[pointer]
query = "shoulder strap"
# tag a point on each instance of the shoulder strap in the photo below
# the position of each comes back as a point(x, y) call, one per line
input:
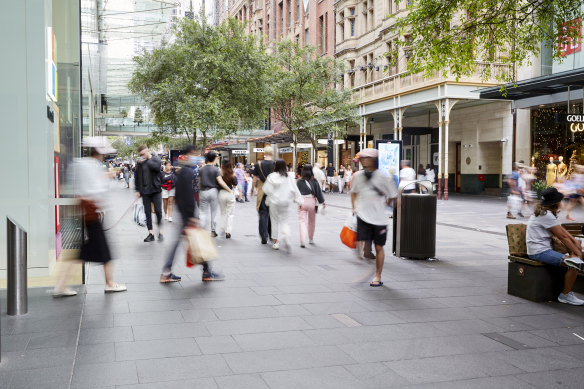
point(309, 187)
point(261, 170)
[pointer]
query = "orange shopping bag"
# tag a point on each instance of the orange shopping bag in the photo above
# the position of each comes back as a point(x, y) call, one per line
point(349, 232)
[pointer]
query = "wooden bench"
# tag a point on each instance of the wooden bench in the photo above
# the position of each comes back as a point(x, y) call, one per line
point(536, 281)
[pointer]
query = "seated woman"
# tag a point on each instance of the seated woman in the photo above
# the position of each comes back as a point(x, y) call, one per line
point(544, 224)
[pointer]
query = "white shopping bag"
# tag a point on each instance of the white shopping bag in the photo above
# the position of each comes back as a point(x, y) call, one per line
point(514, 202)
point(139, 215)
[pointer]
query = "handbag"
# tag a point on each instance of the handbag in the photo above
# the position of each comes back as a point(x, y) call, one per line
point(201, 248)
point(516, 239)
point(349, 232)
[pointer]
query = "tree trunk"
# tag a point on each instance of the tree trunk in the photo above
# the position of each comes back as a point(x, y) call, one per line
point(295, 154)
point(315, 148)
point(204, 142)
point(195, 137)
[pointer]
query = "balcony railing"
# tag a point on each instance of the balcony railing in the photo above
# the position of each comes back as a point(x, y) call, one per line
point(404, 82)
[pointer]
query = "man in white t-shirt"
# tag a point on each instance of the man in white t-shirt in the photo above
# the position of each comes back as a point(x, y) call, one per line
point(544, 224)
point(370, 194)
point(407, 174)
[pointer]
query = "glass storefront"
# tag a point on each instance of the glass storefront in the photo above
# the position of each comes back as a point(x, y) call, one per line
point(554, 138)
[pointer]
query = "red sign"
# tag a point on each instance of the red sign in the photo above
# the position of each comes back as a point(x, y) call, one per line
point(481, 177)
point(566, 44)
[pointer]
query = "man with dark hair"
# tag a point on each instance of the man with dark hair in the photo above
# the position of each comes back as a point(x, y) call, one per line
point(330, 176)
point(149, 187)
point(261, 172)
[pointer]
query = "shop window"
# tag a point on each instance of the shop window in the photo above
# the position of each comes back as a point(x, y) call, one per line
point(352, 22)
point(298, 10)
point(289, 7)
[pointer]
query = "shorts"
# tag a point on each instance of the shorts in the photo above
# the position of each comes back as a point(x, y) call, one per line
point(549, 257)
point(167, 193)
point(330, 180)
point(375, 233)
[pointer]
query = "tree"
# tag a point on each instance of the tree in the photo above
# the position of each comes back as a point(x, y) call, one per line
point(305, 98)
point(210, 79)
point(451, 36)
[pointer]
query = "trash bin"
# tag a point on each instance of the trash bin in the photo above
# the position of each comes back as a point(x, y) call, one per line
point(414, 222)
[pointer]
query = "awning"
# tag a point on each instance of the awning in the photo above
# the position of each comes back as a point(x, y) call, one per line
point(539, 86)
point(279, 137)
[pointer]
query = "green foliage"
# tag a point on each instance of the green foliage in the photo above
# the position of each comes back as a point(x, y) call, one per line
point(539, 186)
point(451, 36)
point(210, 79)
point(305, 98)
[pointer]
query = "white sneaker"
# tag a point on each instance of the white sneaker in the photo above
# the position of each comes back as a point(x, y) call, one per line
point(64, 292)
point(115, 288)
point(311, 241)
point(574, 262)
point(276, 246)
point(165, 217)
point(570, 298)
point(170, 219)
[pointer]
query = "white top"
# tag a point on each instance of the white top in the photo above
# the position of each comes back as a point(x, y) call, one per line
point(539, 236)
point(430, 176)
point(370, 205)
point(318, 174)
point(407, 174)
point(281, 191)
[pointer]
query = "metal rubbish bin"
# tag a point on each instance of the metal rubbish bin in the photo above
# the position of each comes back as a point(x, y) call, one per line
point(414, 222)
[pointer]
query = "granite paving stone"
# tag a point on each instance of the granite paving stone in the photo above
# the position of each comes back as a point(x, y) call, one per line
point(179, 368)
point(241, 381)
point(217, 344)
point(160, 348)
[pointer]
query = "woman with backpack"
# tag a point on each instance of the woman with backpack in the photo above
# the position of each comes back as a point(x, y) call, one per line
point(281, 191)
point(168, 179)
point(311, 196)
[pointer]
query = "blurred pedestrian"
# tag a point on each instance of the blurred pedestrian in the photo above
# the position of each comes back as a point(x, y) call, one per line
point(514, 200)
point(406, 174)
point(421, 173)
point(311, 197)
point(210, 181)
point(126, 171)
point(261, 172)
point(185, 201)
point(330, 176)
point(341, 178)
point(168, 179)
point(226, 197)
point(240, 177)
point(348, 177)
point(149, 187)
point(370, 195)
point(576, 185)
point(319, 176)
point(91, 184)
point(281, 191)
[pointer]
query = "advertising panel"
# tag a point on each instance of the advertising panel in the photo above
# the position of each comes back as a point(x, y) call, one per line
point(390, 154)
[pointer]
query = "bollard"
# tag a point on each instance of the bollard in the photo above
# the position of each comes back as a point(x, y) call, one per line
point(16, 294)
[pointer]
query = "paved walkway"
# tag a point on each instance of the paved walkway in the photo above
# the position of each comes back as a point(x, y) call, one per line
point(305, 320)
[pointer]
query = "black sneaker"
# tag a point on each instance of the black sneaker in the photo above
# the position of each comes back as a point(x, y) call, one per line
point(264, 241)
point(212, 276)
point(227, 236)
point(246, 200)
point(149, 238)
point(160, 237)
point(213, 234)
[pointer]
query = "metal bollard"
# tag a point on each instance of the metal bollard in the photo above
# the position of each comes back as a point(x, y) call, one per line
point(17, 296)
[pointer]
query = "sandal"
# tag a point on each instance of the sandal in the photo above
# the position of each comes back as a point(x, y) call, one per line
point(376, 283)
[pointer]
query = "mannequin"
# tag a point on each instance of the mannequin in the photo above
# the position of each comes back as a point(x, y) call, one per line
point(532, 161)
point(562, 169)
point(551, 172)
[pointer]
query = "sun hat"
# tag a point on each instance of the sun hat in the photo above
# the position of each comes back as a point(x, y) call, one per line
point(551, 196)
point(369, 153)
point(100, 144)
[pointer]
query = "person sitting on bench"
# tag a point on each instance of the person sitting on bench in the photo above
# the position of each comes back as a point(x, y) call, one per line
point(544, 224)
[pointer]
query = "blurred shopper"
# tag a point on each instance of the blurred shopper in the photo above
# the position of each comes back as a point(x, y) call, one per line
point(240, 177)
point(261, 172)
point(149, 187)
point(430, 175)
point(311, 197)
point(226, 198)
point(348, 177)
point(319, 176)
point(168, 190)
point(341, 178)
point(185, 201)
point(91, 184)
point(575, 188)
point(330, 176)
point(210, 181)
point(282, 192)
point(406, 174)
point(127, 172)
point(544, 224)
point(370, 194)
point(421, 173)
point(514, 200)
point(248, 185)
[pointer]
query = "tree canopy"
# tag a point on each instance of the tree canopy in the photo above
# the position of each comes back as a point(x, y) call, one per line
point(305, 98)
point(451, 36)
point(208, 79)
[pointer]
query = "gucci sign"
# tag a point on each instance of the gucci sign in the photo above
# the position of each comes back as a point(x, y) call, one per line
point(577, 127)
